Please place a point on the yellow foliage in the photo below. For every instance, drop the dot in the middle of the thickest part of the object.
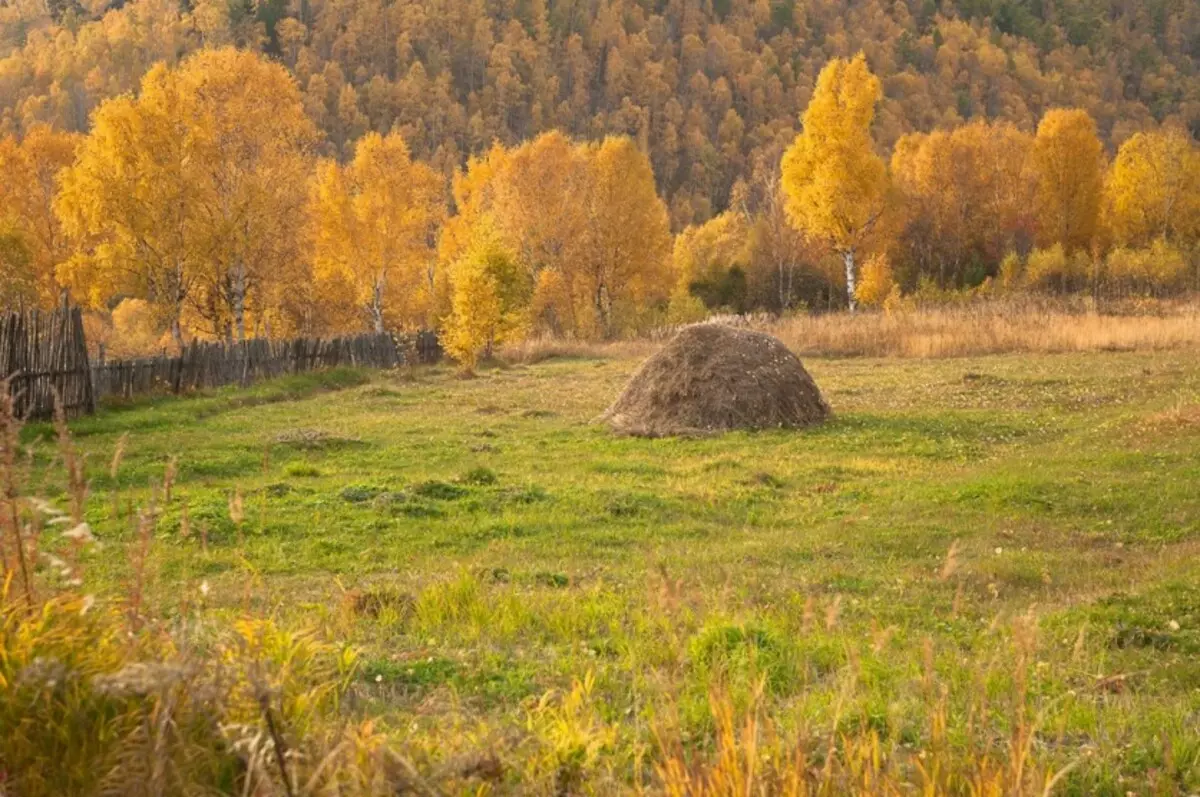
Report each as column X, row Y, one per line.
column 587, row 214
column 136, row 332
column 1054, row 269
column 877, row 282
column 625, row 262
column 970, row 192
column 373, row 222
column 1153, row 189
column 476, row 314
column 703, row 252
column 539, row 201
column 489, row 300
column 835, row 182
column 189, row 194
column 33, row 240
column 1156, row 269
column 1069, row 161
column 472, row 191
column 1011, row 270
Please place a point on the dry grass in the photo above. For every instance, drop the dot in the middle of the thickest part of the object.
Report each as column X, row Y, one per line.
column 536, row 350
column 991, row 328
column 973, row 327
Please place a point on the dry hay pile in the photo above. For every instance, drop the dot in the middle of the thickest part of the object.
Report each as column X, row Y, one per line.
column 712, row 378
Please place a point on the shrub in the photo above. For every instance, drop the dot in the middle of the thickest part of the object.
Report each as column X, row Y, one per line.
column 877, row 280
column 1153, row 271
column 740, row 654
column 1054, row 270
column 491, row 294
column 685, row 308
column 1011, row 269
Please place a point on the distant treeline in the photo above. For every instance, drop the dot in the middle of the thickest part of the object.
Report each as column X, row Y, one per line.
column 201, row 208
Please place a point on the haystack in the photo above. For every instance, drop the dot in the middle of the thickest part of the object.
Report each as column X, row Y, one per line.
column 712, row 378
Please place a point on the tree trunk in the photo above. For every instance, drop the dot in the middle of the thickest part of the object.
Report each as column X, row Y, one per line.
column 177, row 331
column 237, row 296
column 851, row 281
column 783, row 290
column 377, row 306
column 602, row 309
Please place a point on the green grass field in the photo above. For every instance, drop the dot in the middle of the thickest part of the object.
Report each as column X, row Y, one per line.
column 994, row 554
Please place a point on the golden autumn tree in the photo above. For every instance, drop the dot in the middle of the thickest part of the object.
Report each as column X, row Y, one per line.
column 1153, row 189
column 533, row 197
column 250, row 148
column 472, row 191
column 1068, row 159
column 375, row 221
column 129, row 206
column 490, row 297
column 624, row 263
column 538, row 200
column 30, row 168
column 584, row 222
column 836, row 183
column 190, row 195
column 969, row 195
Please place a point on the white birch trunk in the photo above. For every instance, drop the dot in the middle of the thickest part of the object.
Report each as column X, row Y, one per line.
column 851, row 278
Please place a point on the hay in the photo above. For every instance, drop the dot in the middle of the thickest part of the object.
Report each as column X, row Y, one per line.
column 711, row 378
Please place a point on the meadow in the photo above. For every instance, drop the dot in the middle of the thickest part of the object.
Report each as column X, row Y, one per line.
column 979, row 577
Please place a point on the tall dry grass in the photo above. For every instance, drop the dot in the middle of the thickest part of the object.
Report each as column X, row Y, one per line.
column 972, row 327
column 995, row 327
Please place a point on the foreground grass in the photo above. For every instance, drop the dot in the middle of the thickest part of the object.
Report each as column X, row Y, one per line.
column 981, row 575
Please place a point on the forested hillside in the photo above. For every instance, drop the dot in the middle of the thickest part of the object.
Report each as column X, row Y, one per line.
column 712, row 90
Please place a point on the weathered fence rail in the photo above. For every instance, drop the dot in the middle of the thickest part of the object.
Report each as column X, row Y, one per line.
column 43, row 357
column 206, row 365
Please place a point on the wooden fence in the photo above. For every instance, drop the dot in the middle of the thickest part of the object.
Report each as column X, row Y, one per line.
column 44, row 359
column 205, row 365
column 44, row 355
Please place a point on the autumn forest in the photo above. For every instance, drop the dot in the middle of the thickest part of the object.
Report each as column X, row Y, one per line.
column 588, row 169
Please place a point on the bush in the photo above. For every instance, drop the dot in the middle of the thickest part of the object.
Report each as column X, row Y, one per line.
column 877, row 281
column 1054, row 270
column 1011, row 269
column 685, row 308
column 1154, row 271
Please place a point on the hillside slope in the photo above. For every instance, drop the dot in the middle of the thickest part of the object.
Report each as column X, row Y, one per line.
column 711, row 88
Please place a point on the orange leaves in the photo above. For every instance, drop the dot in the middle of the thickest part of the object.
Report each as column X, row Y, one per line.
column 969, row 196
column 589, row 215
column 188, row 194
column 1069, row 162
column 374, row 222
